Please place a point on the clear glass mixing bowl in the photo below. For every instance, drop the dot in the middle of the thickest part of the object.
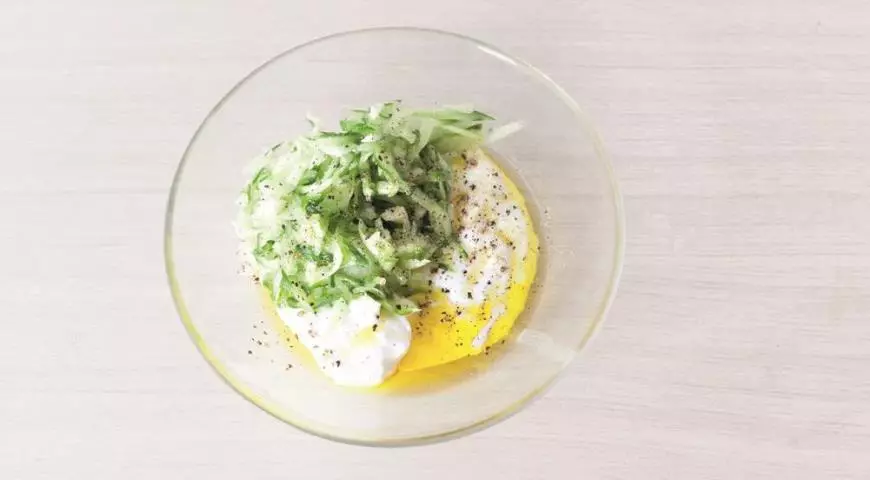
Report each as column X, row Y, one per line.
column 556, row 159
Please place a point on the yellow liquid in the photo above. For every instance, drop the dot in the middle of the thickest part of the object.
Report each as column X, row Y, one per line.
column 408, row 381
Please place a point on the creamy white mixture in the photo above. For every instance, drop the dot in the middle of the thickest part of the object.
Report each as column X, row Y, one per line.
column 352, row 342
column 492, row 230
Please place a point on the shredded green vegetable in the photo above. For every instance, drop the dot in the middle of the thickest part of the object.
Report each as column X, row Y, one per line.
column 336, row 215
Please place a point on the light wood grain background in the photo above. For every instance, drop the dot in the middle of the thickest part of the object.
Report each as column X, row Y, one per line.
column 738, row 346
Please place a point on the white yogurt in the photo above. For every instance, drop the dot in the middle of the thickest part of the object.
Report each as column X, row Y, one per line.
column 352, row 342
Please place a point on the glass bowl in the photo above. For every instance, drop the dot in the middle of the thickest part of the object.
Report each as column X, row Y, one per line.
column 556, row 160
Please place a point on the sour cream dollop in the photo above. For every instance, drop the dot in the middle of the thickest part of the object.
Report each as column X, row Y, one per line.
column 353, row 343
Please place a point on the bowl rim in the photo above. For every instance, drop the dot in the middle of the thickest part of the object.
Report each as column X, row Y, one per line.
column 606, row 301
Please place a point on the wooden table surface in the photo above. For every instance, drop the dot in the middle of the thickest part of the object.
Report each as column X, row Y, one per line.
column 738, row 345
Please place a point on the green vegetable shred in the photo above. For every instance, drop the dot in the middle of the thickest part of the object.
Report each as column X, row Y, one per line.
column 360, row 211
